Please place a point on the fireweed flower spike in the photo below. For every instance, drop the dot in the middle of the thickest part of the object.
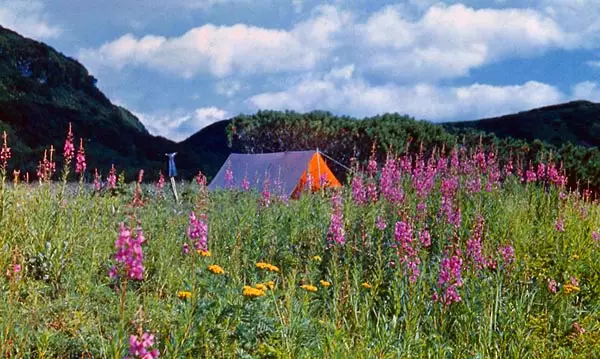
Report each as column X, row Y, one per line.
column 336, row 233
column 160, row 184
column 198, row 232
column 449, row 280
column 80, row 164
column 97, row 184
column 5, row 153
column 69, row 148
column 129, row 254
column 140, row 347
column 112, row 178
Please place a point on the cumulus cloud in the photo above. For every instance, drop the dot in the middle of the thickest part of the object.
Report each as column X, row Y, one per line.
column 353, row 96
column 180, row 124
column 448, row 41
column 222, row 50
column 27, row 18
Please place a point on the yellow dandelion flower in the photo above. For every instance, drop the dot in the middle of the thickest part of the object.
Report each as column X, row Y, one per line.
column 570, row 288
column 366, row 285
column 267, row 266
column 216, row 269
column 316, row 258
column 308, row 287
column 184, row 294
column 204, row 253
column 325, row 283
column 575, row 257
column 270, row 284
column 261, row 287
column 250, row 292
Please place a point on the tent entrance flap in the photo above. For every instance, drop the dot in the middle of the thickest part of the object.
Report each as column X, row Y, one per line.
column 320, row 174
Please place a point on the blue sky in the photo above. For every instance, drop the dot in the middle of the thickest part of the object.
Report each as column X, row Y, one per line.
column 183, row 64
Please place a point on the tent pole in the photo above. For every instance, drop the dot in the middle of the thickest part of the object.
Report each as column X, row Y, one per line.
column 174, row 189
column 319, row 170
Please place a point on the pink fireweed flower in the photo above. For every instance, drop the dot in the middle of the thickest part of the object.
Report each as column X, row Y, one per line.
column 407, row 253
column 559, row 225
column 186, row 248
column 197, row 231
column 406, row 164
column 112, row 178
column 80, row 164
column 97, row 184
column 137, row 194
column 372, row 192
column 5, row 153
column 530, row 175
column 479, row 160
column 389, row 181
column 372, row 166
column 380, row 223
column 129, row 254
column 245, row 184
column 69, row 148
column 201, row 179
column 474, row 245
column 454, row 161
column 425, row 238
column 359, row 192
column 553, row 175
column 508, row 253
column 541, row 171
column 336, row 234
column 596, row 236
column 474, row 185
column 404, row 237
column 229, row 181
column 309, row 181
column 508, row 168
column 140, row 347
column 552, row 286
column 265, row 195
column 160, row 184
column 574, row 281
column 450, row 279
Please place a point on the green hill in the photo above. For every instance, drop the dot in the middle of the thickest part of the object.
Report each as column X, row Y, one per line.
column 41, row 91
column 577, row 122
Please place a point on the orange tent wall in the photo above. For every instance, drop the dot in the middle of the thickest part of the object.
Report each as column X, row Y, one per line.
column 317, row 167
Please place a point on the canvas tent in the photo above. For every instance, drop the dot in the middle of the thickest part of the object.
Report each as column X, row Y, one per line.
column 289, row 168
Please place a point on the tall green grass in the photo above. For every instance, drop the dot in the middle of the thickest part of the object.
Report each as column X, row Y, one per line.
column 64, row 305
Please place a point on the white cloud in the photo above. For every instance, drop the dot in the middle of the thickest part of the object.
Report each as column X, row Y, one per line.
column 353, row 96
column 222, row 50
column 27, row 18
column 228, row 88
column 587, row 90
column 179, row 124
column 448, row 41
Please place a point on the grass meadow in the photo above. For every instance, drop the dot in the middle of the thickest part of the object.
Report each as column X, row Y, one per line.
column 416, row 257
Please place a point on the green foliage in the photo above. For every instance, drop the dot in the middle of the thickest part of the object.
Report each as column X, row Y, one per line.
column 63, row 304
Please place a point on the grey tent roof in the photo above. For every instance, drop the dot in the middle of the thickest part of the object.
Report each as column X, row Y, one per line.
column 286, row 167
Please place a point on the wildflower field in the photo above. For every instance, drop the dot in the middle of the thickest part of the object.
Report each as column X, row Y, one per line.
column 439, row 256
